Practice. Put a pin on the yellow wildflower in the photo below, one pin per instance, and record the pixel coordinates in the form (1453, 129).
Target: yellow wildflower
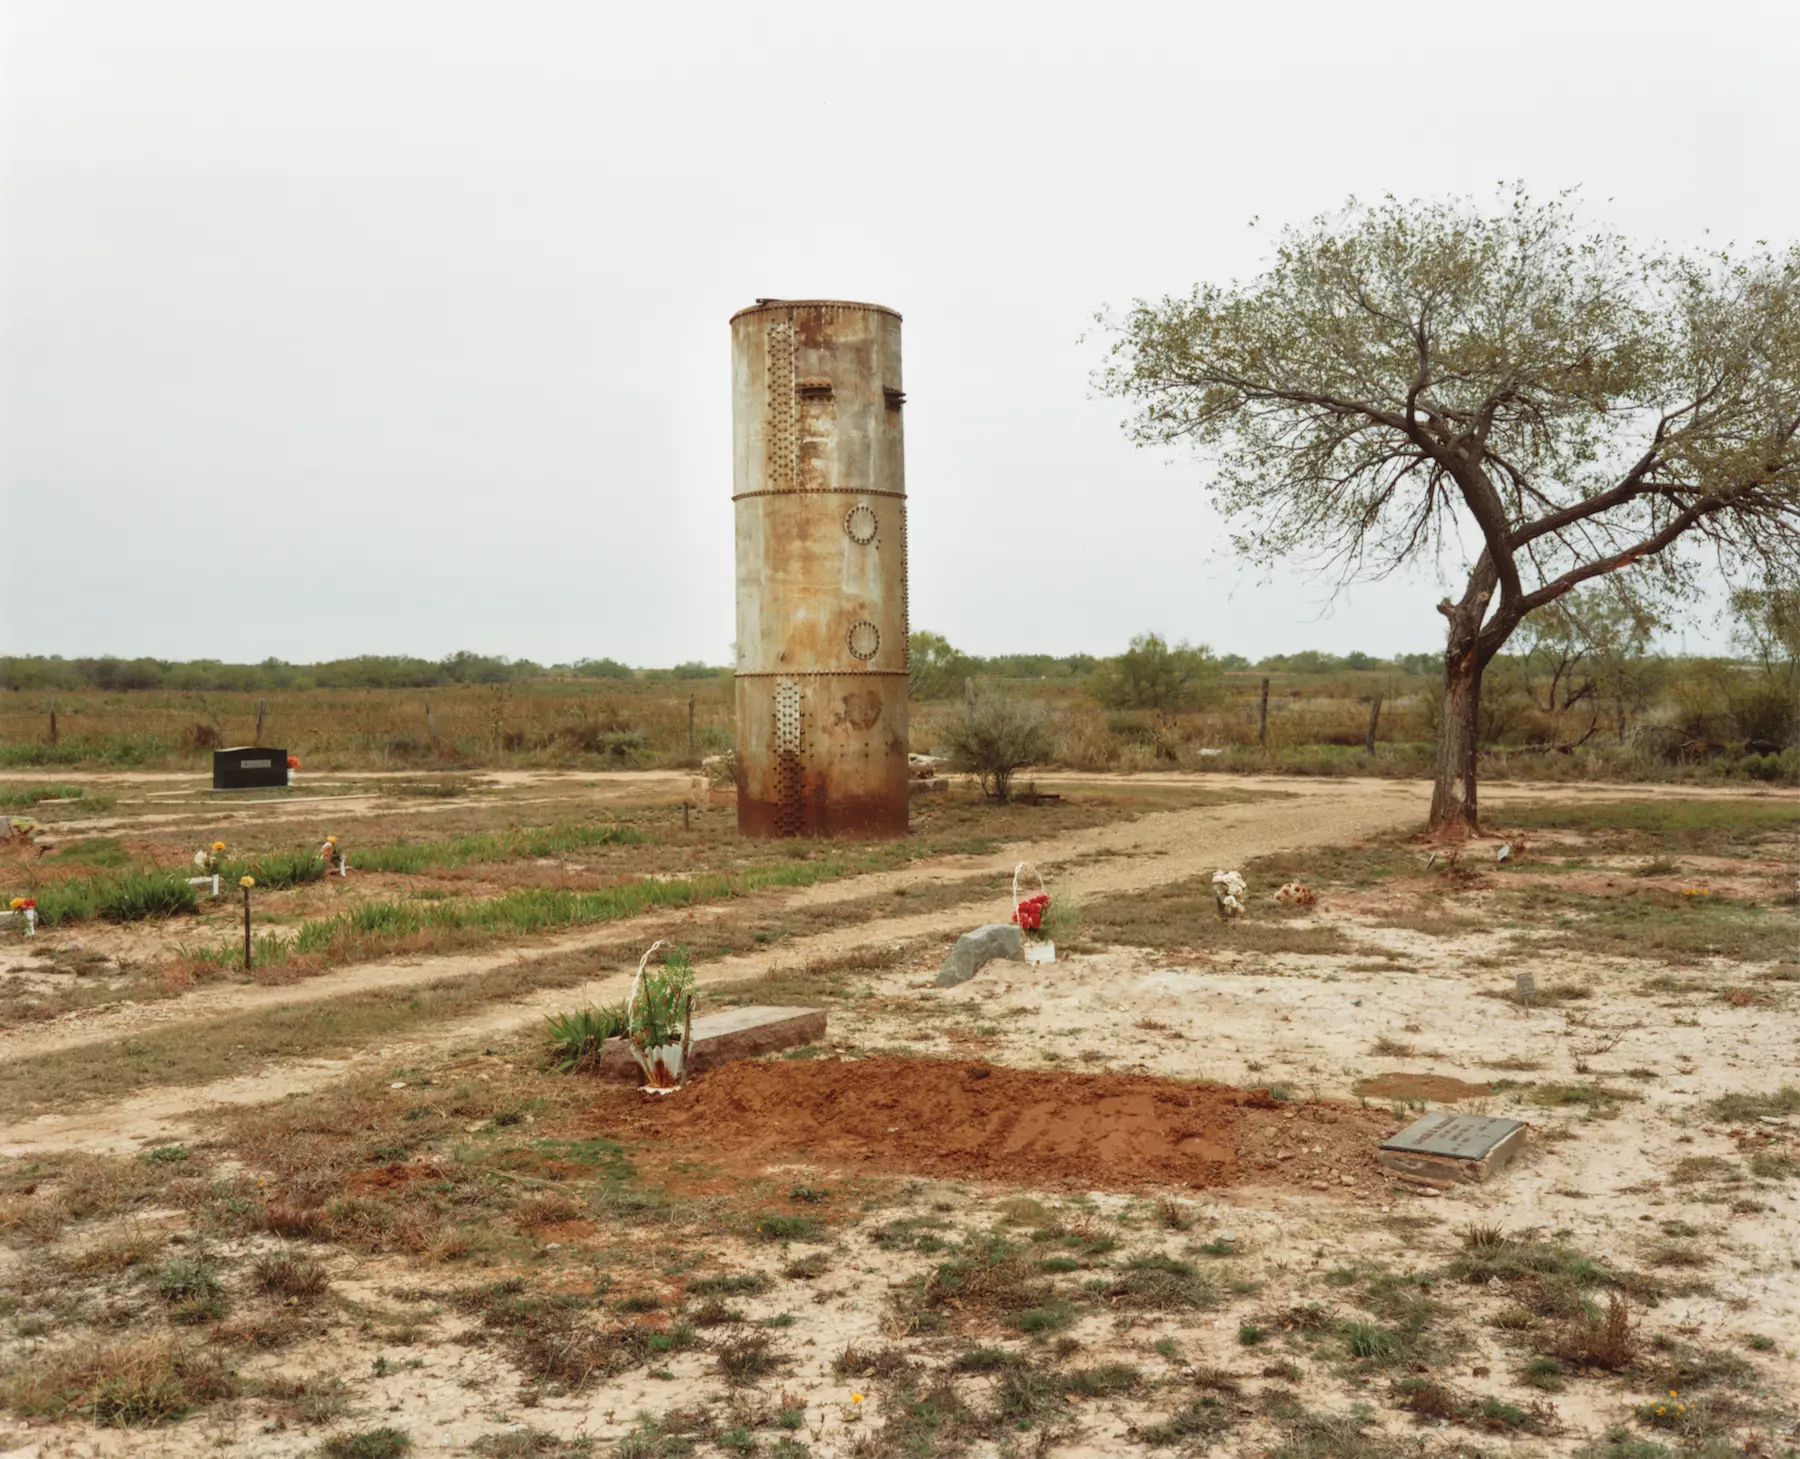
(856, 1398)
(246, 881)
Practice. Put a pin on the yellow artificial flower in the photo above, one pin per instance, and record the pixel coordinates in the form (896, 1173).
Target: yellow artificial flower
(332, 840)
(246, 881)
(856, 1398)
(218, 846)
(17, 902)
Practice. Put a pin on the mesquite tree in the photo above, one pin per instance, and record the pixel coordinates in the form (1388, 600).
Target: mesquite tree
(1531, 403)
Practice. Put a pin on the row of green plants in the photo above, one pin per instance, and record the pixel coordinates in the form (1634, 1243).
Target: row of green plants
(17, 797)
(521, 845)
(346, 936)
(280, 869)
(131, 896)
(140, 895)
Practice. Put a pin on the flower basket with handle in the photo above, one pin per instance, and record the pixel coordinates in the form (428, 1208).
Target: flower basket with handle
(1031, 906)
(659, 1021)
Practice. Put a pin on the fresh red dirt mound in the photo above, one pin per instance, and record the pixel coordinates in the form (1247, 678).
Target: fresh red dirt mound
(1022, 1126)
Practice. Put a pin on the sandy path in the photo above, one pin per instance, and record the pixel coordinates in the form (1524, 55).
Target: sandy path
(1184, 837)
(1155, 849)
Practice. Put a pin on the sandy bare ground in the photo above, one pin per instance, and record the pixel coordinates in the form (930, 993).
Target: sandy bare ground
(1616, 1185)
(1153, 850)
(1606, 1186)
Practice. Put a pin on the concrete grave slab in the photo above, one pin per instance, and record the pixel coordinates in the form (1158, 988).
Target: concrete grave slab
(1444, 1148)
(735, 1033)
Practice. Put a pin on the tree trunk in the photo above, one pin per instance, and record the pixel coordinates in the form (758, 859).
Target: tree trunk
(1459, 740)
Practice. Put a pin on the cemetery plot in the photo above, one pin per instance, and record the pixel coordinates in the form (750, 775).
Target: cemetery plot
(1128, 1202)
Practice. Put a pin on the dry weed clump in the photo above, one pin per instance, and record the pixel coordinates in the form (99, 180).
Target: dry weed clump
(855, 1362)
(560, 1340)
(295, 1223)
(745, 1358)
(992, 1278)
(1608, 1340)
(1158, 1283)
(39, 1199)
(130, 1384)
(547, 1208)
(118, 1252)
(292, 1275)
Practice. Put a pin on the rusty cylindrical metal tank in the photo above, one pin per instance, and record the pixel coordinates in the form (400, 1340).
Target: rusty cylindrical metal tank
(820, 490)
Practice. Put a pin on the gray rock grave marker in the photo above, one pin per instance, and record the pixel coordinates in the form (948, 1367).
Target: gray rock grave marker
(983, 945)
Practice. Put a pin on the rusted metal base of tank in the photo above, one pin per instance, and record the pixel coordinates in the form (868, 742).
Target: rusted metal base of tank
(822, 755)
(872, 819)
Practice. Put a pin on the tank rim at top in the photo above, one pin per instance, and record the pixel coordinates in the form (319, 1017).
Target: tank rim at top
(774, 304)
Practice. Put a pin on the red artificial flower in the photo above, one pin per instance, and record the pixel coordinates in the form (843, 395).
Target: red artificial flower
(293, 762)
(29, 905)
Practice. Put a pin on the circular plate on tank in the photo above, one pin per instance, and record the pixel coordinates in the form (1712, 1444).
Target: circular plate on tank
(864, 639)
(861, 524)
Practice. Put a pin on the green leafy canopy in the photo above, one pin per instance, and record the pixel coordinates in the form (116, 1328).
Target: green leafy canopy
(1542, 399)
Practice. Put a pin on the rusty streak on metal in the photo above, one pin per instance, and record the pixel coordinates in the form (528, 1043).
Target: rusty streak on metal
(821, 581)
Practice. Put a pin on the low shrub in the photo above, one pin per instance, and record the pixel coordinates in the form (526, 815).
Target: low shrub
(576, 1038)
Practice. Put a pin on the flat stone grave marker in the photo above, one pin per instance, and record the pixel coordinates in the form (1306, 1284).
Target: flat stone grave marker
(735, 1033)
(1445, 1148)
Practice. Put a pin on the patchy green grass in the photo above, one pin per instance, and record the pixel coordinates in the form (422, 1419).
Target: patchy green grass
(1185, 915)
(16, 797)
(1717, 827)
(1743, 1108)
(1651, 923)
(517, 845)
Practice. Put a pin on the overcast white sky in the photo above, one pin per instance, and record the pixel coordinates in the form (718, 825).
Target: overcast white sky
(330, 328)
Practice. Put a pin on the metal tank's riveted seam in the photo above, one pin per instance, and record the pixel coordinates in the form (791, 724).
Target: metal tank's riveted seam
(818, 491)
(821, 674)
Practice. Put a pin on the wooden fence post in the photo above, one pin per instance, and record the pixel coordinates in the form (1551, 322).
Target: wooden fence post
(1262, 717)
(259, 720)
(690, 726)
(431, 725)
(53, 719)
(1374, 714)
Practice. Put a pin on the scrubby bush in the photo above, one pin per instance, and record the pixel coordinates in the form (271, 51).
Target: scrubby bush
(1001, 737)
(1153, 675)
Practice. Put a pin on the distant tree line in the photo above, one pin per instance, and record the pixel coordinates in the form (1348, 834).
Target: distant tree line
(1152, 673)
(367, 671)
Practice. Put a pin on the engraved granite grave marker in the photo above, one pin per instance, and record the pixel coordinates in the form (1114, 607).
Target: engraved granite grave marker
(1444, 1148)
